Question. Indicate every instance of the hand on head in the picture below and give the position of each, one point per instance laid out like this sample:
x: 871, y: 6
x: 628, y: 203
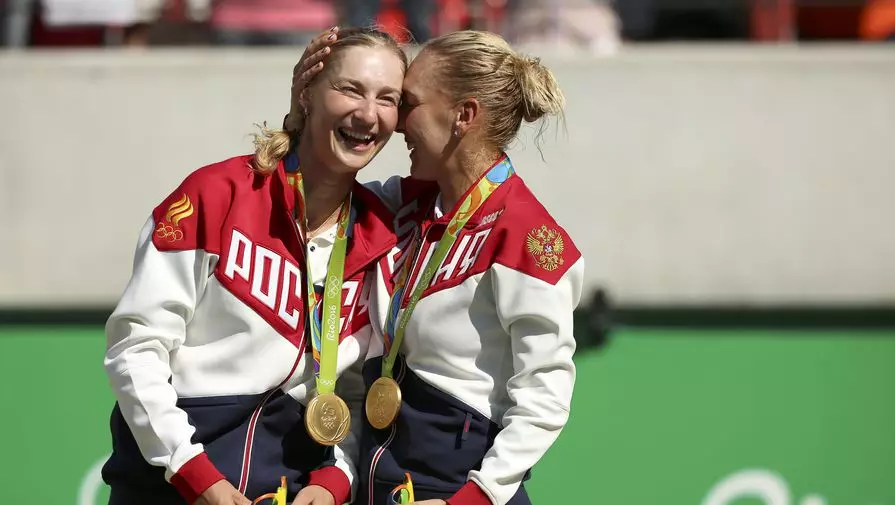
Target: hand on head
x: 344, y: 101
x: 310, y: 64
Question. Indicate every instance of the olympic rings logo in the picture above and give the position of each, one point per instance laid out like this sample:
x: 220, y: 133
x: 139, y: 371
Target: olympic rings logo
x: 168, y: 232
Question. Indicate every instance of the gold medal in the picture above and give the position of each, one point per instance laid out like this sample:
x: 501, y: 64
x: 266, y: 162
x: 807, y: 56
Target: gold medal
x: 383, y: 403
x: 327, y: 419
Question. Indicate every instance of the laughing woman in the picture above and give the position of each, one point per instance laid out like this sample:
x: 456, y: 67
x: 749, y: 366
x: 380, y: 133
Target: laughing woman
x: 245, y: 307
x: 470, y: 375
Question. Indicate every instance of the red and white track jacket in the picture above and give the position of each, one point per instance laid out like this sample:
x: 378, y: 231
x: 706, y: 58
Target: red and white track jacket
x: 207, y: 353
x: 486, y: 366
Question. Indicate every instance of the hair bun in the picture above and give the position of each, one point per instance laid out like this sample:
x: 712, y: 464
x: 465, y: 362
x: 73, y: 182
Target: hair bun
x: 540, y: 92
x: 511, y: 87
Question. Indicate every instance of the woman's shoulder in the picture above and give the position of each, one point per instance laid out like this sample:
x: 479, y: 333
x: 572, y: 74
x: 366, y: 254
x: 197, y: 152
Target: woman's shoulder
x: 200, y: 202
x: 521, y: 208
x: 532, y: 241
x: 214, y: 176
x: 219, y: 179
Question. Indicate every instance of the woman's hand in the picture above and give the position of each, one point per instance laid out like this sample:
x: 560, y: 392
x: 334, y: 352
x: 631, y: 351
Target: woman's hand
x: 222, y: 493
x: 314, y: 495
x: 310, y: 64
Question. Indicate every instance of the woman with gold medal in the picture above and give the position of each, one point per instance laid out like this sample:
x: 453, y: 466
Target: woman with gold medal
x: 470, y: 374
x: 235, y: 352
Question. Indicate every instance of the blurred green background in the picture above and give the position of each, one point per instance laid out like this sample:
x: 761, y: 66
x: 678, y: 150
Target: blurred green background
x: 660, y: 416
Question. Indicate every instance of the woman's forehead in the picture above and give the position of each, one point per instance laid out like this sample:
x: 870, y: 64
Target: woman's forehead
x: 422, y: 60
x: 420, y: 75
x: 368, y: 64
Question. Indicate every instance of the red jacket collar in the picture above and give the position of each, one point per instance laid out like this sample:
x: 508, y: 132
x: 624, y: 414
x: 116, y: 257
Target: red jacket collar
x: 475, y: 219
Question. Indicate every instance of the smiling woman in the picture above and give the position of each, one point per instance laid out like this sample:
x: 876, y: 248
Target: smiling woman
x: 470, y: 371
x: 353, y: 109
x: 350, y: 108
x: 250, y: 257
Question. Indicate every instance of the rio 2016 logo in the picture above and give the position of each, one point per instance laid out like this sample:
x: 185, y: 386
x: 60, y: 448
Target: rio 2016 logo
x: 764, y: 485
x: 92, y: 485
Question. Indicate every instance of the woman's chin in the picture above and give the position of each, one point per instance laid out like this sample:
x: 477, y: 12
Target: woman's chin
x: 353, y: 161
x: 418, y: 170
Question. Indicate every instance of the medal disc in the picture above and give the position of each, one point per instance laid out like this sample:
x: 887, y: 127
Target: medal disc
x: 383, y: 403
x: 327, y: 419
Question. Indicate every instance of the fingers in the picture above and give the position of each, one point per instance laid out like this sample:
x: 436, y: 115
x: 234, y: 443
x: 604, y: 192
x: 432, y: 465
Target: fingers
x: 311, y: 62
x: 321, y: 41
x: 239, y: 498
x: 316, y: 51
x: 314, y: 59
x: 300, y: 81
x: 303, y: 499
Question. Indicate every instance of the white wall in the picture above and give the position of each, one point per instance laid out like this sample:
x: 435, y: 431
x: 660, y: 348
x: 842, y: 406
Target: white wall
x: 687, y: 174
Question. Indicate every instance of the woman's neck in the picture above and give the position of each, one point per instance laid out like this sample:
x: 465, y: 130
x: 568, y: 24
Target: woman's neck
x: 467, y: 171
x: 324, y: 189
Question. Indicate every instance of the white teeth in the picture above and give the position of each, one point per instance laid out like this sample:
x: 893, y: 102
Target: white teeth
x: 360, y: 137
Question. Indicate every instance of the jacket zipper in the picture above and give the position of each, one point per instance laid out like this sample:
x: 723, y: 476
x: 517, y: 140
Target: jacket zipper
x: 381, y: 449
x: 247, y: 450
x: 253, y: 421
x: 412, y: 256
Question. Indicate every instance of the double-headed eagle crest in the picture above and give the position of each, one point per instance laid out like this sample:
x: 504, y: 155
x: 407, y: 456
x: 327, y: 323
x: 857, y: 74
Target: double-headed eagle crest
x: 546, y: 247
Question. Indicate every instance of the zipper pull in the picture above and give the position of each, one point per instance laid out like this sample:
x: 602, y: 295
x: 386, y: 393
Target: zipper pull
x: 466, y: 423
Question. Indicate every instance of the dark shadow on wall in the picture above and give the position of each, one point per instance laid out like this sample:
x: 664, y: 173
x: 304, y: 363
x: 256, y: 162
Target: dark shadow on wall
x: 595, y: 319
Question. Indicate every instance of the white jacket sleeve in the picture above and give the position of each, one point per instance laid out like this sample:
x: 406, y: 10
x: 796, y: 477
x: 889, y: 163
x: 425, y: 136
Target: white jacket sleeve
x: 149, y: 324
x: 538, y: 317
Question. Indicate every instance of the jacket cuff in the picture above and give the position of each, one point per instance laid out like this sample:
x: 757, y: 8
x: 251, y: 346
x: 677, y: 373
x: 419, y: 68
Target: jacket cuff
x: 195, y: 476
x: 469, y: 494
x: 333, y: 480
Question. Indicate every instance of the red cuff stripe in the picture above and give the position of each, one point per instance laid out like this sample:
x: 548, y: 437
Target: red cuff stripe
x: 333, y: 480
x: 469, y: 494
x: 195, y: 476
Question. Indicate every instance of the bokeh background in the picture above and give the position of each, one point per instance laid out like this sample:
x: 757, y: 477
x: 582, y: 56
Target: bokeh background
x: 726, y: 167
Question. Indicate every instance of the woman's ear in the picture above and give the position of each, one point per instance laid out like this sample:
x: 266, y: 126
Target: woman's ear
x: 304, y: 101
x: 470, y: 109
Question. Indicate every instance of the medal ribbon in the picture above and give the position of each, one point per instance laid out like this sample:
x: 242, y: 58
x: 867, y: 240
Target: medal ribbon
x: 324, y: 314
x: 395, y: 325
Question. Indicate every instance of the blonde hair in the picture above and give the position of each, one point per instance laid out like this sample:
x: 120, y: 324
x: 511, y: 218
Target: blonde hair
x: 510, y: 86
x: 272, y: 145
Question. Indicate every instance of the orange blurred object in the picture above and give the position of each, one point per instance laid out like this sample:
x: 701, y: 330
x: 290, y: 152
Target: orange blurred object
x: 878, y: 20
x: 393, y: 21
x: 451, y: 15
x: 773, y: 20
